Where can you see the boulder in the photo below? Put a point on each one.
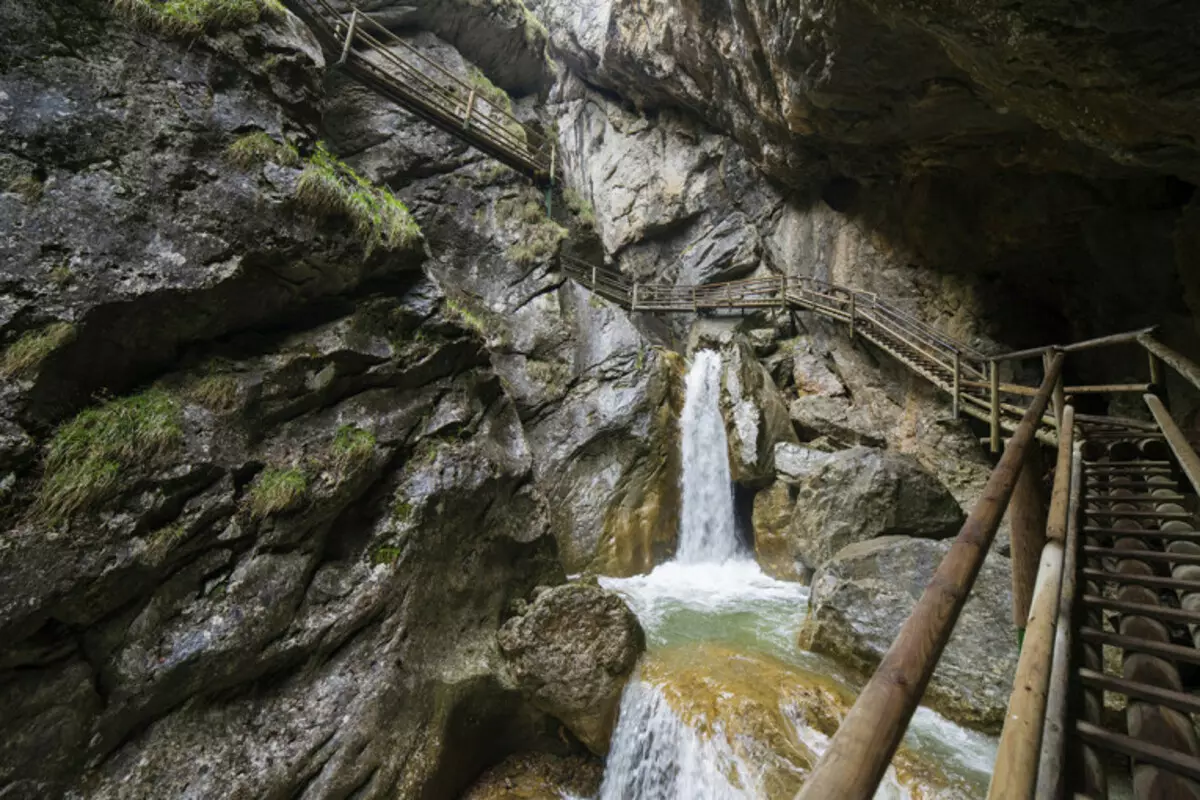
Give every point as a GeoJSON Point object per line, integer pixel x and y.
{"type": "Point", "coordinates": [837, 418]}
{"type": "Point", "coordinates": [794, 462]}
{"type": "Point", "coordinates": [571, 652]}
{"type": "Point", "coordinates": [539, 776]}
{"type": "Point", "coordinates": [862, 596]}
{"type": "Point", "coordinates": [851, 496]}
{"type": "Point", "coordinates": [756, 415]}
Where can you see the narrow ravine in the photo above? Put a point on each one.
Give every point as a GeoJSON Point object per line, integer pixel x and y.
{"type": "Point", "coordinates": [725, 705]}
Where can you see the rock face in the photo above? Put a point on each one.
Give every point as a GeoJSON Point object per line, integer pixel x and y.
{"type": "Point", "coordinates": [572, 652]}
{"type": "Point", "coordinates": [539, 776]}
{"type": "Point", "coordinates": [755, 415]}
{"type": "Point", "coordinates": [861, 597]}
{"type": "Point", "coordinates": [846, 497]}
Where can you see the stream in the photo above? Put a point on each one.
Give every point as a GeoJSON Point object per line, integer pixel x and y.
{"type": "Point", "coordinates": [725, 705]}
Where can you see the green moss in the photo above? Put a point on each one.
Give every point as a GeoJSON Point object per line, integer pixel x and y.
{"type": "Point", "coordinates": [62, 276]}
{"type": "Point", "coordinates": [402, 510]}
{"type": "Point", "coordinates": [89, 456]}
{"type": "Point", "coordinates": [540, 243]}
{"type": "Point", "coordinates": [192, 17]}
{"type": "Point", "coordinates": [385, 555]}
{"type": "Point", "coordinates": [580, 207]}
{"type": "Point", "coordinates": [28, 187]}
{"type": "Point", "coordinates": [327, 186]}
{"type": "Point", "coordinates": [24, 355]}
{"type": "Point", "coordinates": [258, 148]}
{"type": "Point", "coordinates": [276, 490]}
{"type": "Point", "coordinates": [352, 446]}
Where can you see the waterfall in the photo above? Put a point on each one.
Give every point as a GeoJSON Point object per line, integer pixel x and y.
{"type": "Point", "coordinates": [706, 532]}
{"type": "Point", "coordinates": [656, 756]}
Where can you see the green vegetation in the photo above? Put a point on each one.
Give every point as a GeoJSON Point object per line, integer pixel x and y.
{"type": "Point", "coordinates": [499, 99]}
{"type": "Point", "coordinates": [215, 392]}
{"type": "Point", "coordinates": [23, 355]}
{"type": "Point", "coordinates": [538, 244]}
{"type": "Point", "coordinates": [61, 276]}
{"type": "Point", "coordinates": [352, 446]}
{"type": "Point", "coordinates": [580, 207]}
{"type": "Point", "coordinates": [193, 17]}
{"type": "Point", "coordinates": [327, 186]}
{"type": "Point", "coordinates": [28, 187]}
{"type": "Point", "coordinates": [88, 455]}
{"type": "Point", "coordinates": [385, 555]}
{"type": "Point", "coordinates": [469, 319]}
{"type": "Point", "coordinates": [402, 510]}
{"type": "Point", "coordinates": [276, 490]}
{"type": "Point", "coordinates": [256, 149]}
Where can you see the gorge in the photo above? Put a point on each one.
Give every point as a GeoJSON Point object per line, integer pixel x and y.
{"type": "Point", "coordinates": [323, 475]}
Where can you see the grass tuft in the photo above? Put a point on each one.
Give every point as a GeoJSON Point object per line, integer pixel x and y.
{"type": "Point", "coordinates": [540, 243]}
{"type": "Point", "coordinates": [25, 354]}
{"type": "Point", "coordinates": [215, 392]}
{"type": "Point", "coordinates": [255, 149]}
{"type": "Point", "coordinates": [193, 17]}
{"type": "Point", "coordinates": [580, 207]}
{"type": "Point", "coordinates": [327, 186]}
{"type": "Point", "coordinates": [352, 447]}
{"type": "Point", "coordinates": [276, 490]}
{"type": "Point", "coordinates": [89, 455]}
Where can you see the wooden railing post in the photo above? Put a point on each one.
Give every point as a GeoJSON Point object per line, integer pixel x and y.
{"type": "Point", "coordinates": [994, 381]}
{"type": "Point", "coordinates": [1027, 520]}
{"type": "Point", "coordinates": [783, 291]}
{"type": "Point", "coordinates": [863, 746]}
{"type": "Point", "coordinates": [349, 37]}
{"type": "Point", "coordinates": [957, 382]}
{"type": "Point", "coordinates": [1016, 770]}
{"type": "Point", "coordinates": [851, 315]}
{"type": "Point", "coordinates": [695, 305]}
{"type": "Point", "coordinates": [1058, 390]}
{"type": "Point", "coordinates": [633, 299]}
{"type": "Point", "coordinates": [593, 279]}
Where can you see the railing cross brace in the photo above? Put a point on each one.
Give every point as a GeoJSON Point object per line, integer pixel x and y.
{"type": "Point", "coordinates": [349, 37]}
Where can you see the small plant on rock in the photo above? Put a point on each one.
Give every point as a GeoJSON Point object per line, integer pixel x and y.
{"type": "Point", "coordinates": [215, 391]}
{"type": "Point", "coordinates": [28, 187]}
{"type": "Point", "coordinates": [193, 17]}
{"type": "Point", "coordinates": [276, 490]}
{"type": "Point", "coordinates": [89, 456]}
{"type": "Point", "coordinates": [24, 355]}
{"type": "Point", "coordinates": [327, 186]}
{"type": "Point", "coordinates": [352, 447]}
{"type": "Point", "coordinates": [258, 148]}
{"type": "Point", "coordinates": [580, 207]}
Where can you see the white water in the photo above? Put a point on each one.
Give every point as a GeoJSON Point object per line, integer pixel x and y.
{"type": "Point", "coordinates": [715, 592]}
{"type": "Point", "coordinates": [706, 530]}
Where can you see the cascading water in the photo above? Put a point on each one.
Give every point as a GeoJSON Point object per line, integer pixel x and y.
{"type": "Point", "coordinates": [714, 593]}
{"type": "Point", "coordinates": [707, 533]}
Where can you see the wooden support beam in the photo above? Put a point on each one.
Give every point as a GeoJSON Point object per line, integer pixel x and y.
{"type": "Point", "coordinates": [350, 31]}
{"type": "Point", "coordinates": [1172, 652]}
{"type": "Point", "coordinates": [1189, 462]}
{"type": "Point", "coordinates": [1058, 399]}
{"type": "Point", "coordinates": [863, 746]}
{"type": "Point", "coordinates": [1169, 760]}
{"type": "Point", "coordinates": [994, 379]}
{"type": "Point", "coordinates": [957, 382]}
{"type": "Point", "coordinates": [1005, 388]}
{"type": "Point", "coordinates": [1027, 524]}
{"type": "Point", "coordinates": [1110, 388]}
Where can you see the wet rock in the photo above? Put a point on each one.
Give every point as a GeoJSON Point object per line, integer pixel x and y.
{"type": "Point", "coordinates": [539, 776]}
{"type": "Point", "coordinates": [846, 497]}
{"type": "Point", "coordinates": [756, 417]}
{"type": "Point", "coordinates": [572, 652]}
{"type": "Point", "coordinates": [836, 419]}
{"type": "Point", "coordinates": [862, 596]}
{"type": "Point", "coordinates": [794, 462]}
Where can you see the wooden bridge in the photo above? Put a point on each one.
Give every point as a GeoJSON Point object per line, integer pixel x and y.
{"type": "Point", "coordinates": [1106, 584]}
{"type": "Point", "coordinates": [374, 56]}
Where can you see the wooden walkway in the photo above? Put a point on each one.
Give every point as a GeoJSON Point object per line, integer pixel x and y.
{"type": "Point", "coordinates": [387, 64]}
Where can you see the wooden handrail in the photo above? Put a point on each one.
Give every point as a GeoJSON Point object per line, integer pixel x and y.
{"type": "Point", "coordinates": [864, 745]}
{"type": "Point", "coordinates": [1189, 462]}
{"type": "Point", "coordinates": [1177, 361]}
{"type": "Point", "coordinates": [1086, 344]}
{"type": "Point", "coordinates": [1015, 773]}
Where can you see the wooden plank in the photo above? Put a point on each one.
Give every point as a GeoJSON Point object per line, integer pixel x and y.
{"type": "Point", "coordinates": [994, 380]}
{"type": "Point", "coordinates": [1133, 579]}
{"type": "Point", "coordinates": [1145, 534]}
{"type": "Point", "coordinates": [1189, 462]}
{"type": "Point", "coordinates": [1172, 652]}
{"type": "Point", "coordinates": [1135, 498]}
{"type": "Point", "coordinates": [1186, 703]}
{"type": "Point", "coordinates": [1169, 760]}
{"type": "Point", "coordinates": [1111, 388]}
{"type": "Point", "coordinates": [1108, 512]}
{"type": "Point", "coordinates": [1143, 609]}
{"type": "Point", "coordinates": [864, 744]}
{"type": "Point", "coordinates": [1143, 555]}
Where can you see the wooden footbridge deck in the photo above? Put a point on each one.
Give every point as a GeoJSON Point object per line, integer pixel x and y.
{"type": "Point", "coordinates": [1106, 584]}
